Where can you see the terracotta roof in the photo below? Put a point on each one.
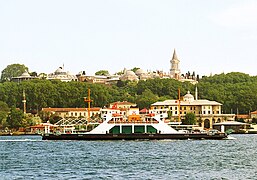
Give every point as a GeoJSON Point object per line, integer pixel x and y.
{"type": "Point", "coordinates": [69, 109]}
{"type": "Point", "coordinates": [122, 103]}
{"type": "Point", "coordinates": [144, 110]}
{"type": "Point", "coordinates": [116, 115]}
{"type": "Point", "coordinates": [243, 116]}
{"type": "Point", "coordinates": [254, 112]}
{"type": "Point", "coordinates": [151, 114]}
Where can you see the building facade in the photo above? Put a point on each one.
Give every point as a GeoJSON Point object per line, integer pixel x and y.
{"type": "Point", "coordinates": [207, 112]}
{"type": "Point", "coordinates": [62, 75]}
{"type": "Point", "coordinates": [24, 77]}
{"type": "Point", "coordinates": [72, 112]}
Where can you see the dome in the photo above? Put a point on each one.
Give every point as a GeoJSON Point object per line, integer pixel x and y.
{"type": "Point", "coordinates": [189, 97]}
{"type": "Point", "coordinates": [131, 73]}
{"type": "Point", "coordinates": [139, 72]}
{"type": "Point", "coordinates": [59, 71]}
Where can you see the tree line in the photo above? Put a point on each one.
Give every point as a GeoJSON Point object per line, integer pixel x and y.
{"type": "Point", "coordinates": [236, 91]}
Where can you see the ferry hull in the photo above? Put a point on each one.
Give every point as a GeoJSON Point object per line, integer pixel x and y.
{"type": "Point", "coordinates": [132, 136]}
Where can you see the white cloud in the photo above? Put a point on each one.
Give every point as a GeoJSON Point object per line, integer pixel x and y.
{"type": "Point", "coordinates": [242, 15]}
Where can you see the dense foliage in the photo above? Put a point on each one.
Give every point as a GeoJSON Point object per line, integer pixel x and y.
{"type": "Point", "coordinates": [102, 73]}
{"type": "Point", "coordinates": [13, 70]}
{"type": "Point", "coordinates": [236, 91]}
{"type": "Point", "coordinates": [190, 119]}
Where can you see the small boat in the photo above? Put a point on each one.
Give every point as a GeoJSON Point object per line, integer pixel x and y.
{"type": "Point", "coordinates": [113, 127]}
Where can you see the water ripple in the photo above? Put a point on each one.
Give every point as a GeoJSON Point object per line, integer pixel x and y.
{"type": "Point", "coordinates": [31, 158]}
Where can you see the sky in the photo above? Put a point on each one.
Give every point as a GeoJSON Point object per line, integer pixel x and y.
{"type": "Point", "coordinates": [210, 36]}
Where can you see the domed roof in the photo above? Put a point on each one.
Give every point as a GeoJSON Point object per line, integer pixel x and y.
{"type": "Point", "coordinates": [59, 70]}
{"type": "Point", "coordinates": [130, 73]}
{"type": "Point", "coordinates": [189, 97]}
{"type": "Point", "coordinates": [139, 72]}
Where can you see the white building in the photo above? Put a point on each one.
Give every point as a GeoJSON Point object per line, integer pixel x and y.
{"type": "Point", "coordinates": [62, 75]}
{"type": "Point", "coordinates": [24, 77]}
{"type": "Point", "coordinates": [207, 112]}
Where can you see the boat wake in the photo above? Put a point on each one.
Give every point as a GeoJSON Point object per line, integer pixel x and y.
{"type": "Point", "coordinates": [230, 138]}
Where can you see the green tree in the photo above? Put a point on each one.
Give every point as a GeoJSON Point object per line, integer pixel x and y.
{"type": "Point", "coordinates": [54, 119]}
{"type": "Point", "coordinates": [254, 120]}
{"type": "Point", "coordinates": [13, 70]}
{"type": "Point", "coordinates": [102, 73]}
{"type": "Point", "coordinates": [15, 118]}
{"type": "Point", "coordinates": [146, 99]}
{"type": "Point", "coordinates": [4, 109]}
{"type": "Point", "coordinates": [135, 69]}
{"type": "Point", "coordinates": [190, 119]}
{"type": "Point", "coordinates": [33, 74]}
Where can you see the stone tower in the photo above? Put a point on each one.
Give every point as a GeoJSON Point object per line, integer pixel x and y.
{"type": "Point", "coordinates": [174, 66]}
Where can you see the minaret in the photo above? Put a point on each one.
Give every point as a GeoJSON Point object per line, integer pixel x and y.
{"type": "Point", "coordinates": [174, 63]}
{"type": "Point", "coordinates": [196, 93]}
{"type": "Point", "coordinates": [24, 102]}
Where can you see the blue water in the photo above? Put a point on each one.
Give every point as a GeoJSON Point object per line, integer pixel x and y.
{"type": "Point", "coordinates": [28, 157]}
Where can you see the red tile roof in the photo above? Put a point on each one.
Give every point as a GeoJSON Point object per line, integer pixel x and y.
{"type": "Point", "coordinates": [254, 112]}
{"type": "Point", "coordinates": [122, 103]}
{"type": "Point", "coordinates": [144, 110]}
{"type": "Point", "coordinates": [243, 116]}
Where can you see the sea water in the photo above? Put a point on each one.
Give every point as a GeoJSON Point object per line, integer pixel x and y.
{"type": "Point", "coordinates": [28, 157]}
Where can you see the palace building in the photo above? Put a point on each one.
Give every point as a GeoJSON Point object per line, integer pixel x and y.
{"type": "Point", "coordinates": [207, 112]}
{"type": "Point", "coordinates": [175, 72]}
{"type": "Point", "coordinates": [62, 75]}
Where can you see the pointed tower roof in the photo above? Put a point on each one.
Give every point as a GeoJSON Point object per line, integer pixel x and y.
{"type": "Point", "coordinates": [174, 55]}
